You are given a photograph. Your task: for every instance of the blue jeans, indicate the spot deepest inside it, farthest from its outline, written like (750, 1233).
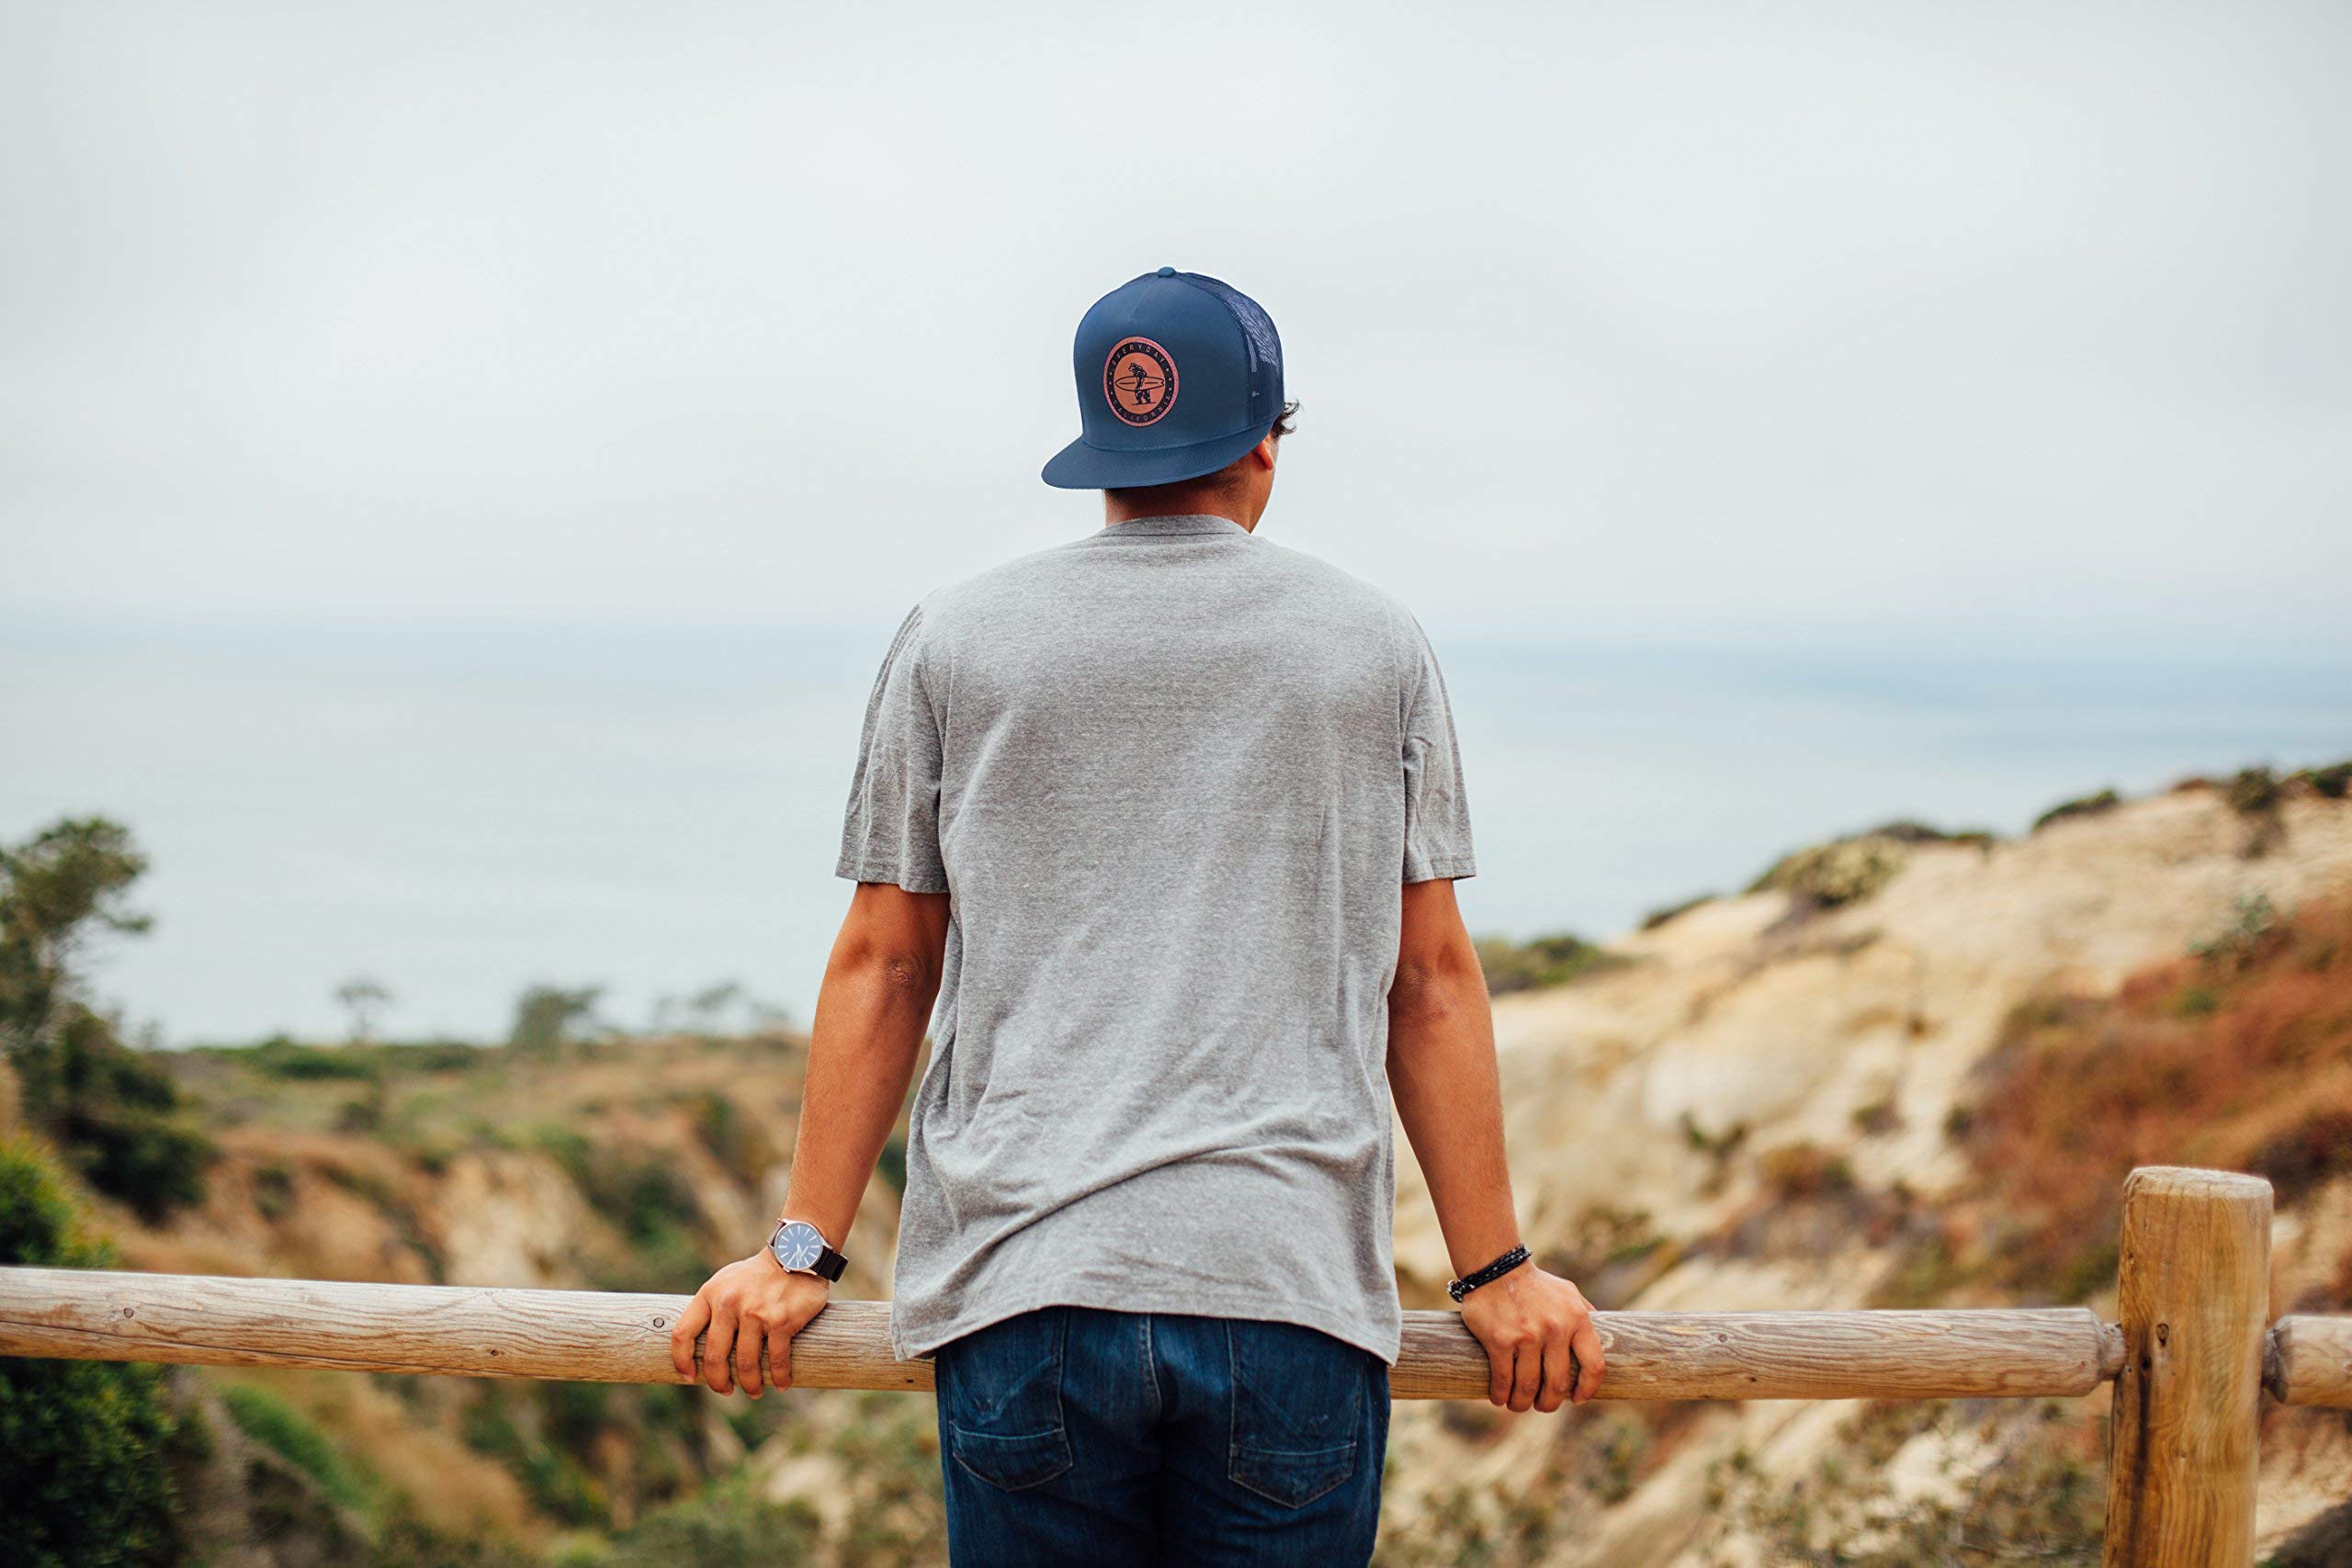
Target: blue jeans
(1071, 1436)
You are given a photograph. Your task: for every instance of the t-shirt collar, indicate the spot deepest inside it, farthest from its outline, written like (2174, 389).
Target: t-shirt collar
(1188, 524)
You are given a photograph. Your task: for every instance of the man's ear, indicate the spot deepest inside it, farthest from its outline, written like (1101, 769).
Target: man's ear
(1264, 451)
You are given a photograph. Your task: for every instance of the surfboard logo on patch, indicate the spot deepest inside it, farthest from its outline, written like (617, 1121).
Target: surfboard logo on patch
(1139, 380)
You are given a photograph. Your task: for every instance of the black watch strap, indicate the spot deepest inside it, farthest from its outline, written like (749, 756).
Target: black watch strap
(827, 1264)
(1488, 1275)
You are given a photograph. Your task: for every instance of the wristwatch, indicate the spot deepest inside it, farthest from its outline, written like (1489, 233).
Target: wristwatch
(800, 1247)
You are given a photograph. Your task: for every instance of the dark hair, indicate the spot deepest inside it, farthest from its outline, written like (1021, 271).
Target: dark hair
(1223, 478)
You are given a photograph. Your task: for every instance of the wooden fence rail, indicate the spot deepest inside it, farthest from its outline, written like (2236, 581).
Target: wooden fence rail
(2190, 1358)
(596, 1336)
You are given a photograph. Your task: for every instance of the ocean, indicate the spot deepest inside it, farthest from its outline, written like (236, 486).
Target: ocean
(460, 811)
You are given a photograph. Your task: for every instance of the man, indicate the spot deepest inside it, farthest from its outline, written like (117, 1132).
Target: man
(1167, 820)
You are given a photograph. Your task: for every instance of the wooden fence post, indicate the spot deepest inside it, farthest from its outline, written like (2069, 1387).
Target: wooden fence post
(2195, 1296)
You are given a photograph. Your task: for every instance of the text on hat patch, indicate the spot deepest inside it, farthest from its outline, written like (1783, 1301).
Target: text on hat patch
(1139, 380)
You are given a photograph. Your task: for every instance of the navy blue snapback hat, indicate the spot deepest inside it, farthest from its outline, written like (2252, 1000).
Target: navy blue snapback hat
(1178, 375)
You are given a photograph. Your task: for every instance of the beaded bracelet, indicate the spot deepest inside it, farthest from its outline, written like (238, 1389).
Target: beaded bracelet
(1488, 1275)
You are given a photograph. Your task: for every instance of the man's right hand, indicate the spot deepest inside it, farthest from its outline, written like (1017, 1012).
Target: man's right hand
(748, 1306)
(1541, 1344)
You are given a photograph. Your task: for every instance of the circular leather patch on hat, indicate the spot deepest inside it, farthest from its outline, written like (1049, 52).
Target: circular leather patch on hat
(1139, 380)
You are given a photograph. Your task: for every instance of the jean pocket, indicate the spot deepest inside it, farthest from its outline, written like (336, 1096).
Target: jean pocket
(1000, 1390)
(1297, 1410)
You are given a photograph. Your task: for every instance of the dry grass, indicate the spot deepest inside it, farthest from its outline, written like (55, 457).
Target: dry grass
(2239, 1056)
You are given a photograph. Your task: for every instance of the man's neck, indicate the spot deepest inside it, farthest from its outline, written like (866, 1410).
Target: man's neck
(1119, 509)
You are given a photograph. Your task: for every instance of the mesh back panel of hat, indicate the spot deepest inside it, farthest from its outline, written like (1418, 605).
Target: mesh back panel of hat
(1265, 347)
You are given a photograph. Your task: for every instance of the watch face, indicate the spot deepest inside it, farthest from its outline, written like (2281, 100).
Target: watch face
(797, 1246)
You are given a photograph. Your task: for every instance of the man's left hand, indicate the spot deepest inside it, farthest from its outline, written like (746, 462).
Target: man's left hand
(1540, 1340)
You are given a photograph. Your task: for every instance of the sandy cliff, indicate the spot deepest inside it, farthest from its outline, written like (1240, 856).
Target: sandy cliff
(1750, 1114)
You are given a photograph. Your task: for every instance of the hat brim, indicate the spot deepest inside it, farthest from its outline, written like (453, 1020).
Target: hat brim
(1081, 466)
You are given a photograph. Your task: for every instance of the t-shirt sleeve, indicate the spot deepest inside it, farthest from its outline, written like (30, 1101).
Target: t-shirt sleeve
(1437, 811)
(890, 832)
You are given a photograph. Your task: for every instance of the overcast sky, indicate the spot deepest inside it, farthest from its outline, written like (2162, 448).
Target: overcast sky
(2027, 321)
(460, 464)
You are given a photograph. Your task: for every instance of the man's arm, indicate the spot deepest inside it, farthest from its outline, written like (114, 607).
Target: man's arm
(880, 985)
(1536, 1327)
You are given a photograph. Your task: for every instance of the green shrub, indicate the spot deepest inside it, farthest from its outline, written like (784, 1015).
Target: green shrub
(1904, 830)
(1659, 917)
(1830, 875)
(1546, 961)
(564, 1146)
(1621, 1447)
(557, 1483)
(726, 1527)
(892, 1165)
(2253, 929)
(405, 1540)
(282, 1059)
(639, 1192)
(431, 1057)
(2255, 790)
(2104, 801)
(273, 1191)
(1876, 1119)
(649, 1196)
(364, 1114)
(37, 1221)
(2333, 782)
(664, 1260)
(1804, 1171)
(737, 1141)
(576, 1413)
(151, 1164)
(111, 1113)
(2315, 1150)
(641, 1195)
(84, 1479)
(1718, 1146)
(2197, 1002)
(268, 1420)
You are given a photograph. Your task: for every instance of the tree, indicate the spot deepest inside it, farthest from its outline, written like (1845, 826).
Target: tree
(55, 888)
(102, 1103)
(546, 1016)
(363, 998)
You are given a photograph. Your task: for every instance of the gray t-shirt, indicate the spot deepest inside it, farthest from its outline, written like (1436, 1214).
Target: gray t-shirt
(1172, 777)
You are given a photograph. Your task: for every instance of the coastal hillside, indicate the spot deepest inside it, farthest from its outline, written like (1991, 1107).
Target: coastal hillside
(1909, 1067)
